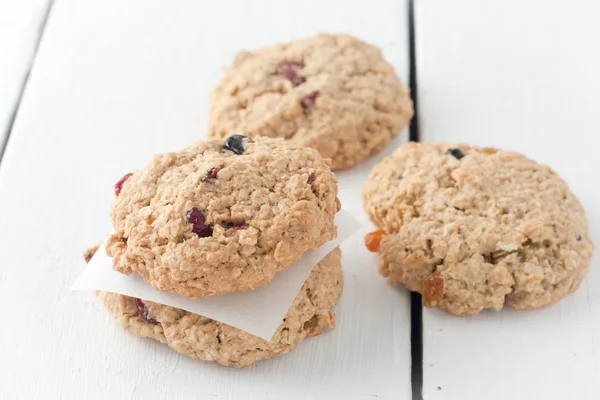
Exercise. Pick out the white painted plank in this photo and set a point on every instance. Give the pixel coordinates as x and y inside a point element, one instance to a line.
<point>114,83</point>
<point>522,76</point>
<point>20,23</point>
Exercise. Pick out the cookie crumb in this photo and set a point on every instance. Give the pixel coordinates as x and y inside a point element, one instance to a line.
<point>89,253</point>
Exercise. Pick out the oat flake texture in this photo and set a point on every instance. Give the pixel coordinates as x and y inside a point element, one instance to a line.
<point>490,228</point>
<point>261,214</point>
<point>333,93</point>
<point>210,340</point>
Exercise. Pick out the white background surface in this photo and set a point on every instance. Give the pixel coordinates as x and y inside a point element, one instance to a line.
<point>520,75</point>
<point>20,23</point>
<point>113,83</point>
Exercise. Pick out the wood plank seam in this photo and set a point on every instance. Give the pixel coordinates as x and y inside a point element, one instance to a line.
<point>412,48</point>
<point>416,308</point>
<point>13,115</point>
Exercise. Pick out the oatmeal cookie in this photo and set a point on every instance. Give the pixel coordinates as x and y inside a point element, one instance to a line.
<point>333,93</point>
<point>207,339</point>
<point>222,216</point>
<point>474,228</point>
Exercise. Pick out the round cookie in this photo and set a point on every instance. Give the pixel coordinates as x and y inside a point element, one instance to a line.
<point>474,228</point>
<point>333,93</point>
<point>222,216</point>
<point>206,339</point>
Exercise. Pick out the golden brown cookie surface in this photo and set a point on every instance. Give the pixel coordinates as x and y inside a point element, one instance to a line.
<point>333,93</point>
<point>222,216</point>
<point>475,228</point>
<point>206,339</point>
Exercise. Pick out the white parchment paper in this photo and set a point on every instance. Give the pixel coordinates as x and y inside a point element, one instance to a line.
<point>258,312</point>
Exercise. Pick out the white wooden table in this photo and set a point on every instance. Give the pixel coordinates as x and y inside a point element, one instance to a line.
<point>115,82</point>
<point>523,76</point>
<point>21,22</point>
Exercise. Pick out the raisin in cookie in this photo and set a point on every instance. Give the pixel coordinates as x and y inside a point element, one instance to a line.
<point>333,93</point>
<point>207,339</point>
<point>475,228</point>
<point>222,216</point>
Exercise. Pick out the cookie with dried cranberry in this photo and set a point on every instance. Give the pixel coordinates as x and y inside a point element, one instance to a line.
<point>207,339</point>
<point>333,93</point>
<point>222,216</point>
<point>474,228</point>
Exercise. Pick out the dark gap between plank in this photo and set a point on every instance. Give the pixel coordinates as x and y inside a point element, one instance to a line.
<point>13,116</point>
<point>412,50</point>
<point>416,308</point>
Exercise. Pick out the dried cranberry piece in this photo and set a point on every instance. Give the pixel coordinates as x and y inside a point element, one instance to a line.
<point>198,221</point>
<point>143,312</point>
<point>289,69</point>
<point>457,153</point>
<point>311,179</point>
<point>211,174</point>
<point>119,184</point>
<point>236,226</point>
<point>309,100</point>
<point>235,143</point>
<point>298,80</point>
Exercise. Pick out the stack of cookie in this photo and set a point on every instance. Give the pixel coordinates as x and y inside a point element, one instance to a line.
<point>221,217</point>
<point>225,216</point>
<point>476,228</point>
